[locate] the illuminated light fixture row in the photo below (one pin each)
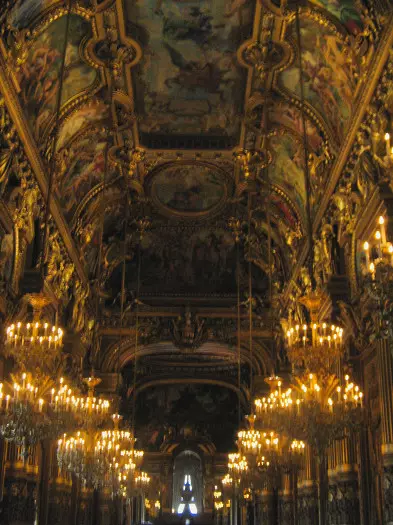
(384, 249)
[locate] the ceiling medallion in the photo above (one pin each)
(189, 189)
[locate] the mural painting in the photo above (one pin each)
(174, 411)
(189, 188)
(85, 117)
(192, 263)
(81, 167)
(286, 170)
(39, 75)
(329, 78)
(345, 11)
(25, 11)
(190, 82)
(284, 114)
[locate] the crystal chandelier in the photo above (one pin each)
(36, 345)
(32, 409)
(314, 410)
(97, 457)
(142, 480)
(250, 442)
(314, 346)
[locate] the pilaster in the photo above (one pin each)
(385, 378)
(286, 501)
(308, 491)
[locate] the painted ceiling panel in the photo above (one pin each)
(25, 11)
(329, 79)
(189, 81)
(82, 169)
(286, 170)
(39, 76)
(345, 11)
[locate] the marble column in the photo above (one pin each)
(385, 378)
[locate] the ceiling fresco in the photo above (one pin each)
(162, 102)
(189, 81)
(197, 263)
(286, 169)
(174, 74)
(346, 11)
(189, 189)
(25, 11)
(329, 77)
(85, 118)
(39, 76)
(171, 412)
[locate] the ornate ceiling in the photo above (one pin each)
(159, 98)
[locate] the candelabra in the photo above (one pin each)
(142, 480)
(378, 281)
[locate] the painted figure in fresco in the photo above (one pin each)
(39, 76)
(195, 44)
(85, 169)
(345, 11)
(39, 83)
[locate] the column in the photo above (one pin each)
(143, 509)
(308, 491)
(347, 483)
(75, 491)
(332, 457)
(285, 506)
(44, 478)
(3, 457)
(385, 378)
(234, 509)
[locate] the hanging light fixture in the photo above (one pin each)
(33, 409)
(99, 458)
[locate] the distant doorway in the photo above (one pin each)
(187, 465)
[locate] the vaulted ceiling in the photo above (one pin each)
(159, 100)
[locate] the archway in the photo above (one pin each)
(187, 463)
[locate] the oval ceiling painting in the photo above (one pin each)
(189, 189)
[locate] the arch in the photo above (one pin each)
(123, 353)
(187, 463)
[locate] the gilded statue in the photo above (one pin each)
(6, 256)
(188, 333)
(79, 313)
(27, 209)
